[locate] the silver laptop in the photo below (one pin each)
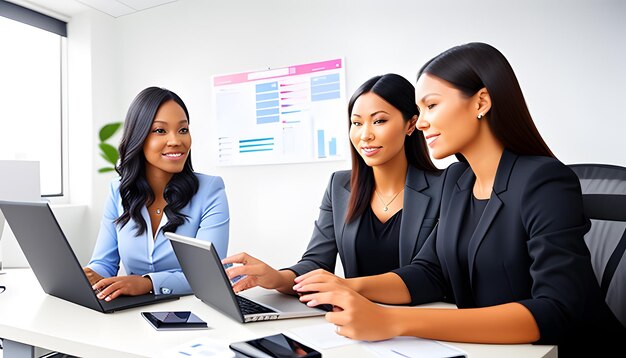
(53, 261)
(209, 282)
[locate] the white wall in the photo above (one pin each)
(92, 101)
(569, 57)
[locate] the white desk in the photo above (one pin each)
(31, 317)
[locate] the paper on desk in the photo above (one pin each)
(411, 347)
(321, 336)
(200, 347)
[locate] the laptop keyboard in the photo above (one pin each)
(250, 307)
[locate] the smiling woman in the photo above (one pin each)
(509, 247)
(167, 146)
(377, 216)
(153, 195)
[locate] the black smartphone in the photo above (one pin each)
(278, 346)
(179, 320)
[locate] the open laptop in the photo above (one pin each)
(209, 282)
(53, 261)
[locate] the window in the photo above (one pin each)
(32, 73)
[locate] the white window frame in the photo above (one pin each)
(46, 23)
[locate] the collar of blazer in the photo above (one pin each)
(465, 182)
(503, 174)
(415, 179)
(415, 207)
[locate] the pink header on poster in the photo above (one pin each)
(278, 72)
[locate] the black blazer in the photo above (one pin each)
(528, 247)
(332, 235)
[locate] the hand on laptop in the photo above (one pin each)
(255, 272)
(318, 276)
(355, 316)
(92, 275)
(132, 285)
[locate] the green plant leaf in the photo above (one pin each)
(105, 170)
(109, 153)
(108, 130)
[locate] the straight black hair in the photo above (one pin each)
(134, 189)
(473, 66)
(400, 93)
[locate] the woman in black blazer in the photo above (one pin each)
(508, 248)
(378, 215)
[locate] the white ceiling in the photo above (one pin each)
(65, 9)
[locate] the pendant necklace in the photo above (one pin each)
(158, 211)
(386, 206)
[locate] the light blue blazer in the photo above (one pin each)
(207, 219)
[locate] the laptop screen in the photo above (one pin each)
(53, 261)
(49, 254)
(205, 273)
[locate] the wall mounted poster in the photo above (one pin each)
(295, 114)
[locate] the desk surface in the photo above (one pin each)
(30, 316)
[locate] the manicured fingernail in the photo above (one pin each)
(311, 303)
(296, 287)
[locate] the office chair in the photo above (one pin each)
(604, 201)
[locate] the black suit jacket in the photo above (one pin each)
(528, 247)
(332, 235)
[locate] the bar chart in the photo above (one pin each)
(284, 115)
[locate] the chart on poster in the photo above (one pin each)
(293, 114)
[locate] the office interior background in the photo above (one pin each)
(569, 57)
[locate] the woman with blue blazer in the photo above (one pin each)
(376, 216)
(157, 191)
(508, 248)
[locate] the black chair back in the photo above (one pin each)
(604, 199)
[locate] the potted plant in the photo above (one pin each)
(108, 152)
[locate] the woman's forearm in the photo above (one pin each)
(386, 288)
(510, 323)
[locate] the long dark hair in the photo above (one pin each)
(400, 93)
(476, 65)
(134, 188)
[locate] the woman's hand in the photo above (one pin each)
(318, 276)
(249, 272)
(355, 316)
(112, 287)
(92, 275)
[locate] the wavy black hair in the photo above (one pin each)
(476, 65)
(400, 93)
(134, 188)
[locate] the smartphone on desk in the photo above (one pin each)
(275, 346)
(173, 321)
